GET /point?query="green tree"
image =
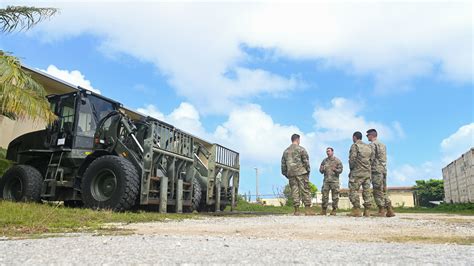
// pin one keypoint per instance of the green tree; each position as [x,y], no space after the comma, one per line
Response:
[20,95]
[429,190]
[289,199]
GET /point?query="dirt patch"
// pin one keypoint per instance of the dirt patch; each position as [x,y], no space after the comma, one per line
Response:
[423,228]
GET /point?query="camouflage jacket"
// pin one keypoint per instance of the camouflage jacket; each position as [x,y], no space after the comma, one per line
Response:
[379,157]
[360,157]
[331,167]
[295,161]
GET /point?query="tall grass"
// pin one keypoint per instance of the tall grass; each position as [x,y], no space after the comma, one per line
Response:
[21,219]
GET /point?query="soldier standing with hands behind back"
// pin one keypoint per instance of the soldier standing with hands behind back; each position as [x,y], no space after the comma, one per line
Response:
[295,166]
[379,175]
[331,167]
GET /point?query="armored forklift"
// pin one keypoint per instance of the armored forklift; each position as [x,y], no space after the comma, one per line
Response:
[102,156]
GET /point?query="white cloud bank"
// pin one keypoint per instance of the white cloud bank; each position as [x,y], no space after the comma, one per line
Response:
[407,173]
[341,119]
[452,148]
[75,77]
[198,46]
[185,117]
[458,143]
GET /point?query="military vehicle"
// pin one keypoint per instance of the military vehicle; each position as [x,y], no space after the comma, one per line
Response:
[103,156]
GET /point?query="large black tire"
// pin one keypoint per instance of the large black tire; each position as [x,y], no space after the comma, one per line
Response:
[110,182]
[21,183]
[196,197]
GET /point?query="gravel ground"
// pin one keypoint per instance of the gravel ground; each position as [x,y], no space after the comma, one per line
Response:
[261,240]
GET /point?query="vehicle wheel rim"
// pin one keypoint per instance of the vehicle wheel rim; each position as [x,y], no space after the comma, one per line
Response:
[104,185]
[13,189]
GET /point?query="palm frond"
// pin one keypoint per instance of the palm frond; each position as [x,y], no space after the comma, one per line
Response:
[20,95]
[23,17]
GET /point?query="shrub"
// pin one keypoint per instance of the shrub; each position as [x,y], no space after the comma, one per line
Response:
[429,190]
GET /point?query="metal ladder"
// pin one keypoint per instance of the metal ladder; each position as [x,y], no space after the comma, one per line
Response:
[51,176]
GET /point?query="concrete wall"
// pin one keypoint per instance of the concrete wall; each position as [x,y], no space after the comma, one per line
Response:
[458,179]
[10,129]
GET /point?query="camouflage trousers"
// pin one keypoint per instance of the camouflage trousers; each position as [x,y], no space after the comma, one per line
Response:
[354,185]
[300,190]
[334,188]
[379,184]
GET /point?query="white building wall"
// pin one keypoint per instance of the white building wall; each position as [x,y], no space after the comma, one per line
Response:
[458,179]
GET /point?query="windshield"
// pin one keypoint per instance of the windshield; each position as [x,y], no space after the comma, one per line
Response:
[91,111]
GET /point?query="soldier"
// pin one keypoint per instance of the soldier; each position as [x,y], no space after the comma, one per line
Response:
[331,167]
[295,166]
[379,175]
[360,155]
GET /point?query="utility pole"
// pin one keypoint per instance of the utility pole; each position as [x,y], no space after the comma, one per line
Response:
[256,183]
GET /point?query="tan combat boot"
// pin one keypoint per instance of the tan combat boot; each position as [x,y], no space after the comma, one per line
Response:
[390,212]
[366,212]
[355,212]
[309,212]
[333,212]
[297,211]
[380,213]
[323,211]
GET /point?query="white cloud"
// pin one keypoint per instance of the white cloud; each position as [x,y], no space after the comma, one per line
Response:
[184,117]
[452,147]
[408,173]
[342,118]
[152,111]
[255,135]
[198,46]
[75,77]
[458,143]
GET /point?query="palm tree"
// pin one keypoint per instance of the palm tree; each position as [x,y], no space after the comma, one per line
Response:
[23,17]
[20,95]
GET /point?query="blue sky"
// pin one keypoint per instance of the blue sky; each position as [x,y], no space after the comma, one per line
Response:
[249,75]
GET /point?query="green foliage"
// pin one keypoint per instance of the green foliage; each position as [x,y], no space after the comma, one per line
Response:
[287,193]
[4,163]
[23,17]
[429,190]
[244,206]
[458,208]
[3,153]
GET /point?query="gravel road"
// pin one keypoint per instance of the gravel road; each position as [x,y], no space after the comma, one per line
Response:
[405,239]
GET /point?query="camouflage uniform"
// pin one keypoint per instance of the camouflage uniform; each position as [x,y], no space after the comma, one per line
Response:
[331,167]
[295,166]
[360,155]
[379,173]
